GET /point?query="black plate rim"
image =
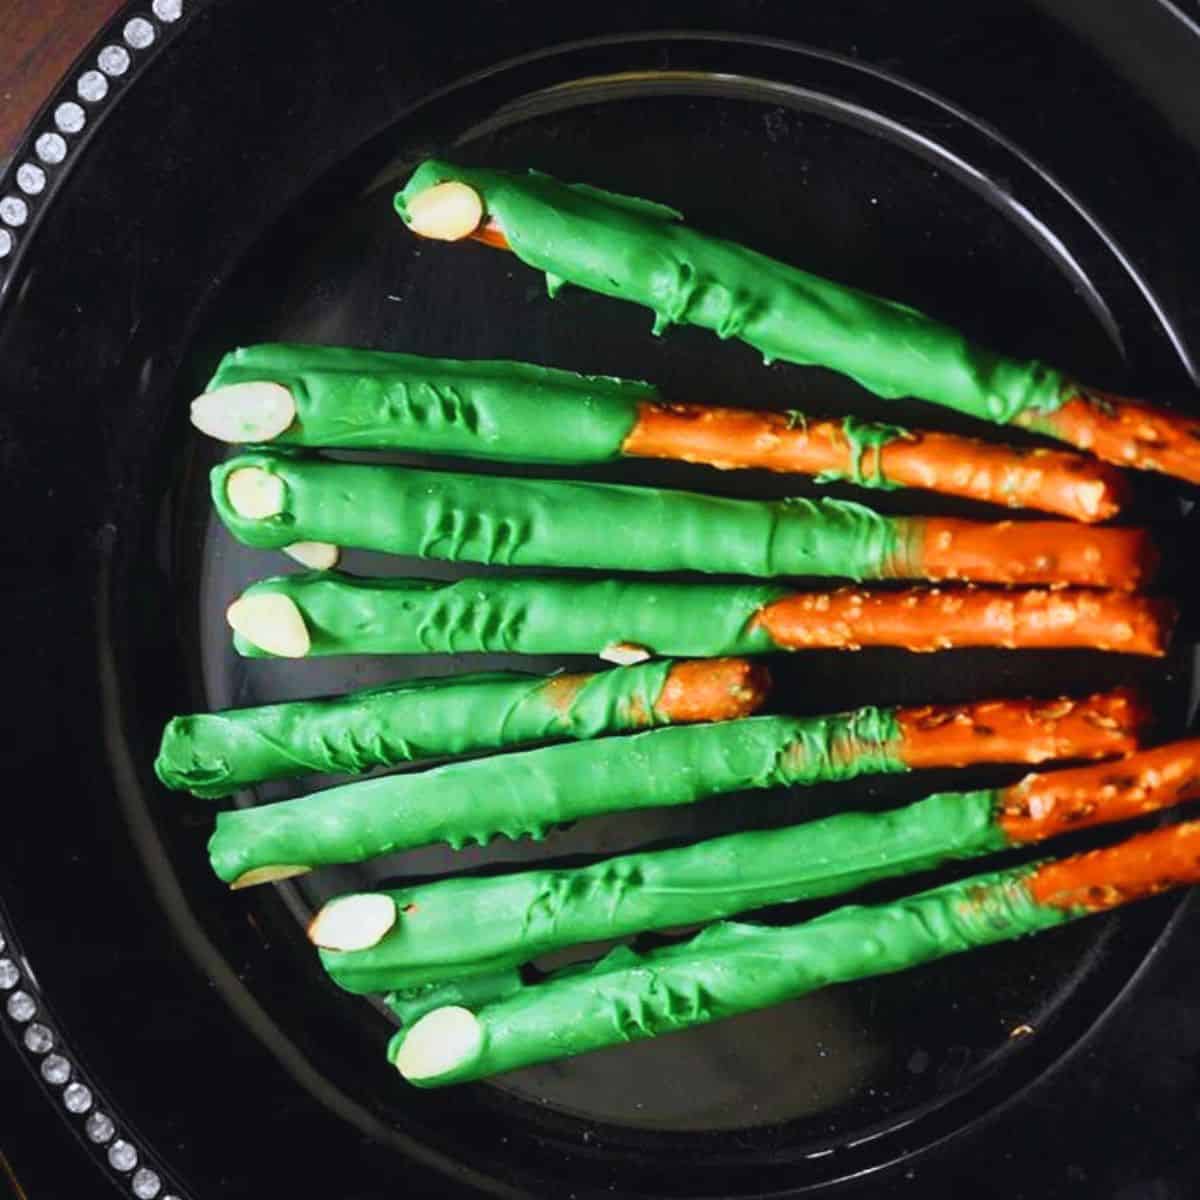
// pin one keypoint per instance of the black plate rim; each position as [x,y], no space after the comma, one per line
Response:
[12,267]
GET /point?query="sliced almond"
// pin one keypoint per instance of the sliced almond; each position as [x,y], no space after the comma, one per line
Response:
[272,622]
[321,556]
[353,922]
[439,1042]
[269,874]
[625,654]
[447,212]
[244,412]
[255,494]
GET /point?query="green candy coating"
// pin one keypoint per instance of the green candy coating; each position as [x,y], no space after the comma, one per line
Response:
[509,411]
[529,791]
[866,440]
[473,991]
[564,523]
[635,250]
[214,754]
[732,968]
[462,927]
[350,615]
[505,411]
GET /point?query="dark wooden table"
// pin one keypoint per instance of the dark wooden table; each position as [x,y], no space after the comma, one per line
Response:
[39,40]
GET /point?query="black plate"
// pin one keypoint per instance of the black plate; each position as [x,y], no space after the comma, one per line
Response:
[240,190]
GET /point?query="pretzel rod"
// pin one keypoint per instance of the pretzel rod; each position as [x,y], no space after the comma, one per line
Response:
[873,455]
[326,396]
[214,754]
[1122,430]
[434,934]
[933,619]
[1030,731]
[732,968]
[640,251]
[1042,806]
[528,792]
[329,613]
[272,500]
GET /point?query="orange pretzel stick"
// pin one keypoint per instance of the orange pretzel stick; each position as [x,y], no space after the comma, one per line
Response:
[490,234]
[1044,805]
[1123,431]
[926,619]
[1052,480]
[1131,870]
[1032,731]
[1031,552]
[713,689]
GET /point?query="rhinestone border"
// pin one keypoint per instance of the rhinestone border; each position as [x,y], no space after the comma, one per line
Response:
[52,141]
[35,1036]
[41,160]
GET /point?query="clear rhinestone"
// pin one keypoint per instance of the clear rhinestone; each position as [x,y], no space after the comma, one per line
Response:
[122,1156]
[9,975]
[139,33]
[99,1127]
[30,178]
[113,60]
[146,1184]
[6,243]
[38,1038]
[51,148]
[69,117]
[21,1007]
[92,87]
[14,210]
[77,1098]
[55,1069]
[168,10]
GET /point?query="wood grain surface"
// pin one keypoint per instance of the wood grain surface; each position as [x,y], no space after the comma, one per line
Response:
[39,40]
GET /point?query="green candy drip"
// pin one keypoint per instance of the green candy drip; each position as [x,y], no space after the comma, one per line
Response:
[349,615]
[559,523]
[732,968]
[867,440]
[637,251]
[213,754]
[463,927]
[526,793]
[508,411]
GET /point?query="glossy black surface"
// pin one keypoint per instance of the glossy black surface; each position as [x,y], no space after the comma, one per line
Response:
[868,196]
[226,199]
